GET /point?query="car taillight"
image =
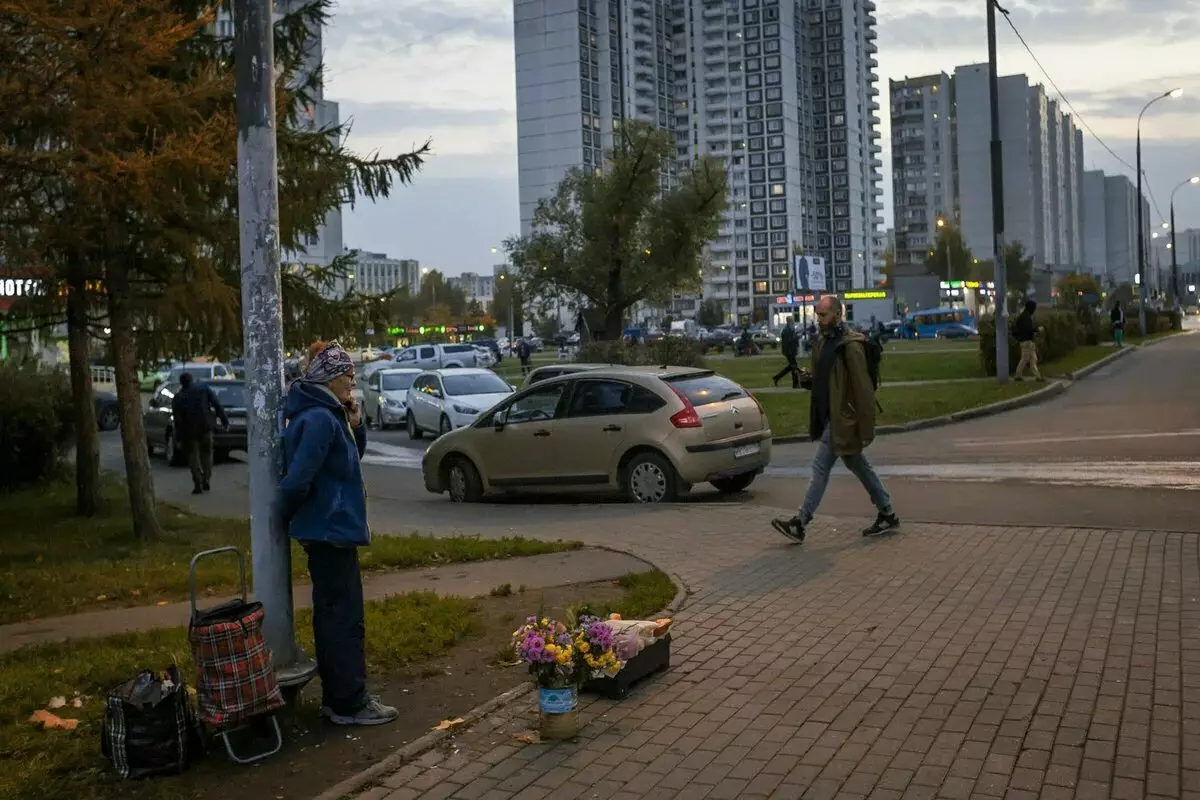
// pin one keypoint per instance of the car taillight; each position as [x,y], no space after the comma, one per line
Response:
[758,403]
[688,418]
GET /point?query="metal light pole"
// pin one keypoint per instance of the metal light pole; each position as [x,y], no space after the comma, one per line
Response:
[941,223]
[1141,234]
[1175,258]
[258,214]
[997,164]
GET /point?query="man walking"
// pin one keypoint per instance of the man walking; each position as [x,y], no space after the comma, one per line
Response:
[194,411]
[1118,324]
[524,351]
[1025,331]
[789,344]
[841,420]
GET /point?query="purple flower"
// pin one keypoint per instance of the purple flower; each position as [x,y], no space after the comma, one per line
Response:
[564,640]
[534,643]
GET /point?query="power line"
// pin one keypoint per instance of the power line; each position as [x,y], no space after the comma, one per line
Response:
[1077,115]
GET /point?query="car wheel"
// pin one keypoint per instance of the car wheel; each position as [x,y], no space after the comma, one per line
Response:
[650,478]
[109,420]
[414,432]
[444,426]
[462,481]
[735,484]
[173,451]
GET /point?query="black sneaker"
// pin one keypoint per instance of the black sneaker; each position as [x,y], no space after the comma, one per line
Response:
[791,528]
[206,487]
[197,490]
[884,523]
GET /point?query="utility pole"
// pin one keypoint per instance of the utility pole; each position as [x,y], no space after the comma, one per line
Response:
[1001,277]
[258,215]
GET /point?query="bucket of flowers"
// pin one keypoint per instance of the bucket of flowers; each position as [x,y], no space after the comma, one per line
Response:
[561,658]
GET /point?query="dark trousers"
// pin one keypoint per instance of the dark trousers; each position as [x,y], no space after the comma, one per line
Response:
[524,365]
[199,451]
[338,626]
[791,367]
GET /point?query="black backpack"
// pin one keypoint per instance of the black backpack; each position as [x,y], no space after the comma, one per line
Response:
[873,348]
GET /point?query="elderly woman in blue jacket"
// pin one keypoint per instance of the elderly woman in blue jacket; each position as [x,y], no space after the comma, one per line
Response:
[325,507]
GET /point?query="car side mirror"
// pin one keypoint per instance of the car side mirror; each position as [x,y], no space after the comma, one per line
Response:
[499,420]
[512,386]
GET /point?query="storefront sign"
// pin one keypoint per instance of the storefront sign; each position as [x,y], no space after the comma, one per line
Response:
[869,295]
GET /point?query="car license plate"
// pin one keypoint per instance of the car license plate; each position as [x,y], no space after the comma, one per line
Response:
[746,450]
[237,423]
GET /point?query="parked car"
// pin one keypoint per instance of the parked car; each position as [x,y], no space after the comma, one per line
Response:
[385,396]
[549,371]
[956,331]
[201,371]
[151,378]
[765,338]
[108,415]
[441,356]
[492,345]
[650,433]
[160,428]
[443,400]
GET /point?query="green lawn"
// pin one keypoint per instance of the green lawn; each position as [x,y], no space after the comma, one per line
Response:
[1077,359]
[402,631]
[52,562]
[755,372]
[788,411]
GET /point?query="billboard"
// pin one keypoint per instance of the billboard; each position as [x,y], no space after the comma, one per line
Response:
[810,273]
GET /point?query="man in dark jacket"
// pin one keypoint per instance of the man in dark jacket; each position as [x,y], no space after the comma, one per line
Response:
[323,500]
[1118,324]
[789,344]
[841,420]
[524,353]
[1025,332]
[194,411]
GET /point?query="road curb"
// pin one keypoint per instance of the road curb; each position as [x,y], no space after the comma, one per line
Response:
[1033,398]
[1083,372]
[381,769]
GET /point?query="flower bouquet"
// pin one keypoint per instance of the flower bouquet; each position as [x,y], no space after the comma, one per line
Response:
[562,658]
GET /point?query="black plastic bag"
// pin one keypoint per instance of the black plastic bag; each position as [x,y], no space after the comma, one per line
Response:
[149,727]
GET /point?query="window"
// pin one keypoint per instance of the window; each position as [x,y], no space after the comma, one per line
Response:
[470,383]
[537,405]
[394,381]
[427,353]
[230,395]
[593,398]
[705,390]
[777,189]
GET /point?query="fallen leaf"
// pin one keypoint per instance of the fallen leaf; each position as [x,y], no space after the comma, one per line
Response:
[57,702]
[50,721]
[527,737]
[161,603]
[448,724]
[100,598]
[78,702]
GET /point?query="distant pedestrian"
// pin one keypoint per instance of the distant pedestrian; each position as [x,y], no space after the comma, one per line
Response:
[195,410]
[524,352]
[1118,324]
[1025,331]
[841,419]
[789,344]
[323,501]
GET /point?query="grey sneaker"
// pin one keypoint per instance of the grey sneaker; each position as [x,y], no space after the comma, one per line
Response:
[373,713]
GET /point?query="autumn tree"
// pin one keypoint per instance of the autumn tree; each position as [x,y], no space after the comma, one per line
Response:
[614,236]
[711,313]
[888,269]
[1075,289]
[508,304]
[132,135]
[1018,272]
[950,258]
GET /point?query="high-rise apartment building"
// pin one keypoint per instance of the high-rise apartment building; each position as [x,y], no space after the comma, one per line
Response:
[376,274]
[1110,228]
[942,121]
[780,92]
[923,176]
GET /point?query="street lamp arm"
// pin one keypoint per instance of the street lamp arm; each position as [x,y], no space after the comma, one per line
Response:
[1192,180]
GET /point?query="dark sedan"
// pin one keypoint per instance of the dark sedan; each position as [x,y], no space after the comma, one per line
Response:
[956,331]
[160,428]
[108,417]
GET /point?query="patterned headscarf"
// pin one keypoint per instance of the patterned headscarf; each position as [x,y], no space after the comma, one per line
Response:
[328,364]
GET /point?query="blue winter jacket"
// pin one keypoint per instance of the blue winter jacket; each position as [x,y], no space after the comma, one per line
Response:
[322,496]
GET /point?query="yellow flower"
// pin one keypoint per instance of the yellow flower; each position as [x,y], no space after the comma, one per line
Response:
[584,647]
[545,622]
[551,649]
[563,657]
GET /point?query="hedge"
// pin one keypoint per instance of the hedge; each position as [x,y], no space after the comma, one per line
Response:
[36,424]
[1061,335]
[1156,322]
[671,350]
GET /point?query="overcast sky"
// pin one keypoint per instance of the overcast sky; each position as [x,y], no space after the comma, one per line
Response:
[406,73]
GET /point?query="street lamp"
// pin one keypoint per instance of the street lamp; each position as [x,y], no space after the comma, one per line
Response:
[941,223]
[1141,235]
[1192,181]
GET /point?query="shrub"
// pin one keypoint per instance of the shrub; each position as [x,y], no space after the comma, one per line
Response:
[668,350]
[1061,336]
[36,424]
[1156,322]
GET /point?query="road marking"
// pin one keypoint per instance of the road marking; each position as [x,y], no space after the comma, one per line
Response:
[1177,475]
[1065,439]
[390,455]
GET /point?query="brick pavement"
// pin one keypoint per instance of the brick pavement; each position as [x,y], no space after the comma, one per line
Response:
[943,662]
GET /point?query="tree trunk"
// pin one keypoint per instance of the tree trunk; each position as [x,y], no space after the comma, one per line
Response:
[138,476]
[88,491]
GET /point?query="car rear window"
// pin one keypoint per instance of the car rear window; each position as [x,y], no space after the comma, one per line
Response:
[701,390]
[229,395]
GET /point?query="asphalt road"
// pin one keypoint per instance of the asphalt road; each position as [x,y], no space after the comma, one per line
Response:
[1119,449]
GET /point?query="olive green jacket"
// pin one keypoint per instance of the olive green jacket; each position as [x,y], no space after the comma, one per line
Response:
[851,395]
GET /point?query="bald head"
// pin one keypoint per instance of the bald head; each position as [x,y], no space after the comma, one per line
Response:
[829,311]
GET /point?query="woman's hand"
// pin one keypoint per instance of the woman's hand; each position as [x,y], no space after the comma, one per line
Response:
[354,413]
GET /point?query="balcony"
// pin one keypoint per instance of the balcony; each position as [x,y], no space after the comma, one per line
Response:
[869,6]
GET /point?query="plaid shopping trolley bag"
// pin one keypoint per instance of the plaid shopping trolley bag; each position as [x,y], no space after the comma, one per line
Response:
[235,678]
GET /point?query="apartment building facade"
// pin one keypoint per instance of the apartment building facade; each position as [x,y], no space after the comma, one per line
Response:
[780,92]
[377,274]
[1110,229]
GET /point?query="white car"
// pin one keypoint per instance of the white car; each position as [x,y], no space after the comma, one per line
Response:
[441,356]
[385,396]
[443,400]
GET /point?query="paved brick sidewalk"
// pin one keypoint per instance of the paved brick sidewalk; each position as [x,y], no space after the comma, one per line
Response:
[945,661]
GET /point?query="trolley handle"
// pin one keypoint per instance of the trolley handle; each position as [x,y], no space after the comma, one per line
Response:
[216,551]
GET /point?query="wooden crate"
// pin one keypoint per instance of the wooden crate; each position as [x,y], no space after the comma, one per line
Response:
[653,658]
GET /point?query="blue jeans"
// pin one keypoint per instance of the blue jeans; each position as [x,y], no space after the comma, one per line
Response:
[822,464]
